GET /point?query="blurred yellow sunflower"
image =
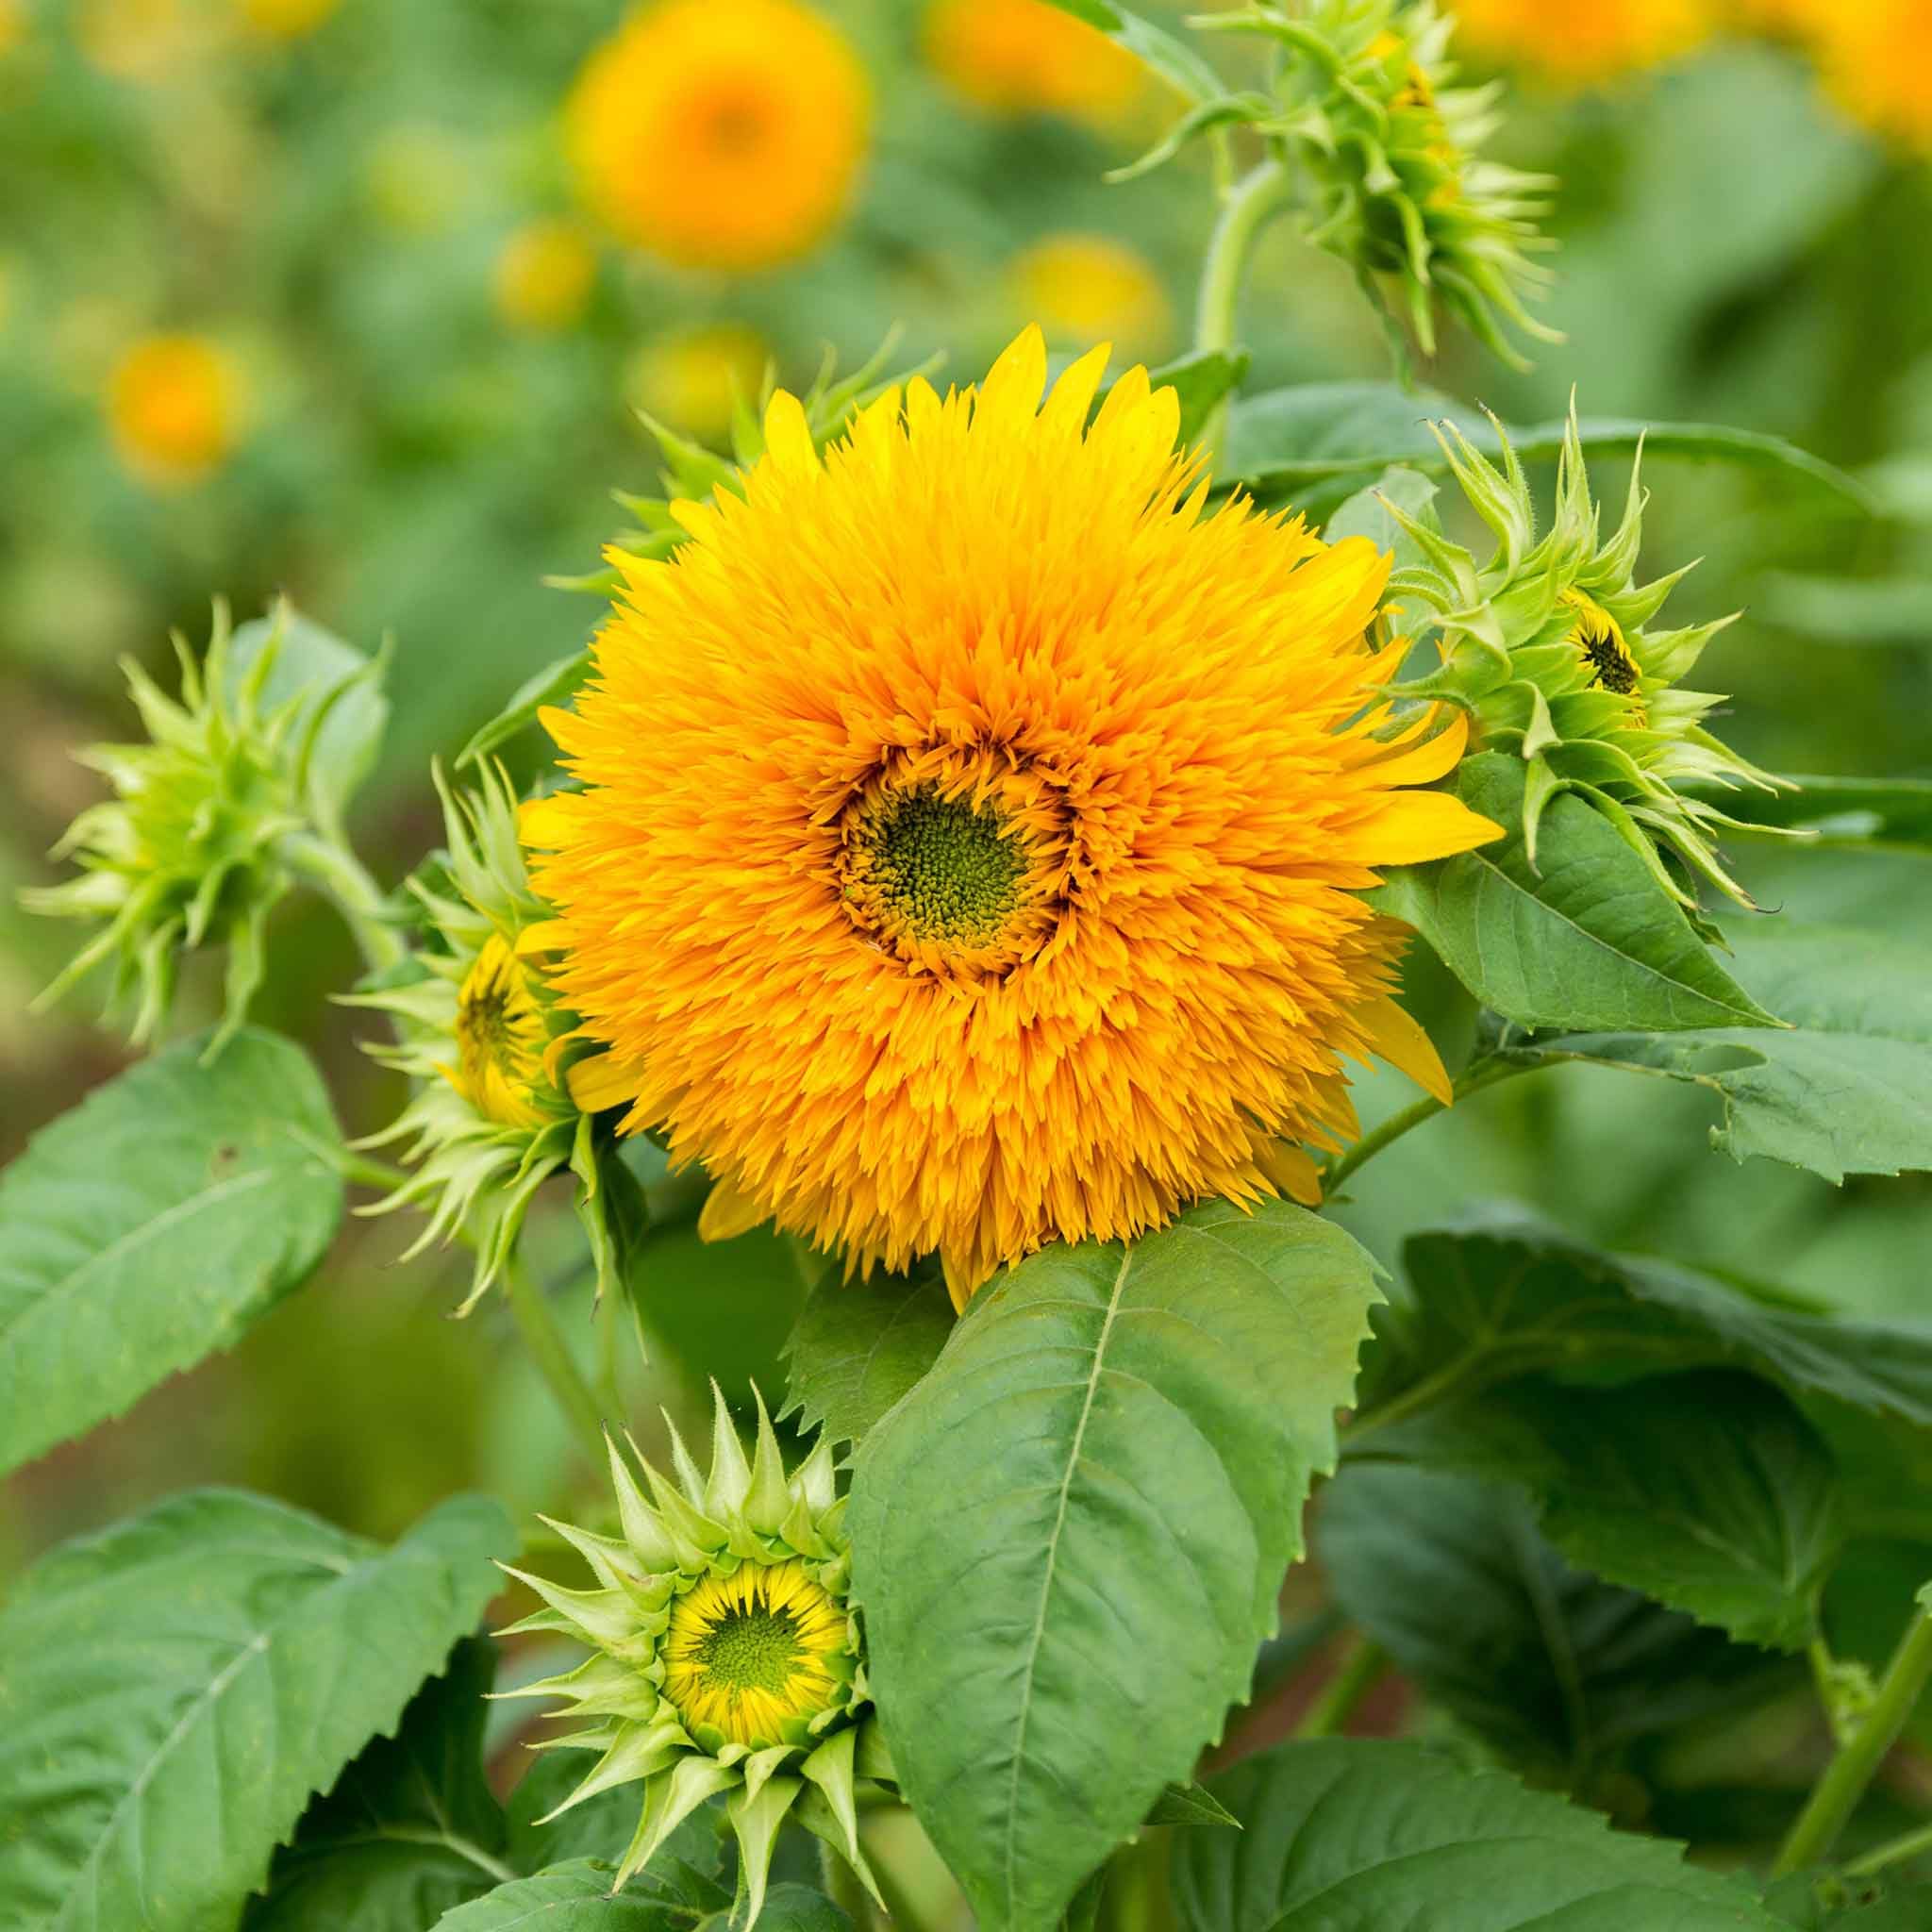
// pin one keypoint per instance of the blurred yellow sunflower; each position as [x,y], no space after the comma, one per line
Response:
[1583,41]
[1023,57]
[1875,58]
[693,379]
[1088,289]
[721,134]
[972,825]
[284,20]
[544,277]
[174,406]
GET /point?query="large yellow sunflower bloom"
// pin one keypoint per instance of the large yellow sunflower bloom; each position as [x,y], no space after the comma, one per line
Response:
[721,134]
[972,825]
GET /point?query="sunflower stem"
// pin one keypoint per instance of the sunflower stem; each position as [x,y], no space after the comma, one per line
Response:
[1895,1851]
[538,1325]
[329,863]
[1246,210]
[1358,1673]
[844,1888]
[1836,1795]
[1479,1073]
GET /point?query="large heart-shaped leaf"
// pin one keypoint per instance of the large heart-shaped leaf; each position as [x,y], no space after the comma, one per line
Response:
[860,1345]
[1846,1089]
[1583,937]
[576,1897]
[1068,1538]
[152,1223]
[1558,1670]
[173,1691]
[1355,1836]
[410,1829]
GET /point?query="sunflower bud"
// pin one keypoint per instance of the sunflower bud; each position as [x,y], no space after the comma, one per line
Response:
[213,818]
[1392,149]
[725,1655]
[490,1047]
[1552,649]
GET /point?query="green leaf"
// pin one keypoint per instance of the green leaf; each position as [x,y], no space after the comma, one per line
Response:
[798,1908]
[568,1898]
[1366,513]
[1560,1671]
[1855,611]
[173,1691]
[152,1223]
[1350,1835]
[349,736]
[860,1345]
[1069,1537]
[1847,1089]
[556,684]
[1499,1294]
[1200,380]
[1189,1804]
[1584,939]
[1708,1491]
[685,1869]
[1173,60]
[410,1830]
[1283,439]
[1892,814]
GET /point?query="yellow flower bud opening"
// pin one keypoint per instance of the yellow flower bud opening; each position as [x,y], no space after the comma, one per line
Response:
[501,1036]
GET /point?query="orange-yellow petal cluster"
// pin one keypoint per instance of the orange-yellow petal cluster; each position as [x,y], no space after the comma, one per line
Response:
[1875,58]
[972,825]
[1582,42]
[721,134]
[173,404]
[1026,57]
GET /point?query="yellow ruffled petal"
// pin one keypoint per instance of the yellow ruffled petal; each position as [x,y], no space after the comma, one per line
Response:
[544,823]
[1293,1169]
[726,1214]
[603,1081]
[1427,761]
[544,936]
[788,436]
[1412,826]
[1398,1037]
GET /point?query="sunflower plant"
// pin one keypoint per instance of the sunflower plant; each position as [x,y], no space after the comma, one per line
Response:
[1016,850]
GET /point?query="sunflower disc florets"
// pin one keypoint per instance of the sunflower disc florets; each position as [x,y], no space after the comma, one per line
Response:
[1551,647]
[725,1655]
[211,821]
[1392,148]
[481,1032]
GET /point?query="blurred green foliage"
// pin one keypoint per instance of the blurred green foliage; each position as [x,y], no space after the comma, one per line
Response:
[331,210]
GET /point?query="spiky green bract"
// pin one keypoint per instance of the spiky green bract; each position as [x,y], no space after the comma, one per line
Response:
[1392,151]
[680,1540]
[489,1121]
[695,474]
[1550,647]
[210,824]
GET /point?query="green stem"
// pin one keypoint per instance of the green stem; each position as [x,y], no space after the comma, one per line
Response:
[551,1353]
[347,881]
[1837,1794]
[1472,1079]
[1246,208]
[1360,1671]
[1894,1851]
[844,1888]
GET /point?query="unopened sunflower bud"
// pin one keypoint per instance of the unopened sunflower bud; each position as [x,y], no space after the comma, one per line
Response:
[725,1655]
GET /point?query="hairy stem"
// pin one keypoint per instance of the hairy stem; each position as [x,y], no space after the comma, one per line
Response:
[338,872]
[1358,1673]
[1837,1794]
[537,1324]
[1472,1079]
[1246,210]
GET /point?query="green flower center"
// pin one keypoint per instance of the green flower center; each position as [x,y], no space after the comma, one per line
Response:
[752,1648]
[944,869]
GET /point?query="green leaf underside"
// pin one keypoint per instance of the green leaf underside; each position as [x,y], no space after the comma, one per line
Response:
[1847,1089]
[576,1897]
[1561,1673]
[1068,1538]
[860,1345]
[1280,439]
[409,1831]
[556,684]
[151,1225]
[1708,1491]
[1358,1836]
[1172,60]
[1891,814]
[1367,514]
[1586,939]
[175,1690]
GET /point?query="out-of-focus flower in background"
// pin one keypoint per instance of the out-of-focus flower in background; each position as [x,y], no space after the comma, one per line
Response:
[1023,57]
[416,177]
[1086,289]
[1580,42]
[546,272]
[13,26]
[721,134]
[693,379]
[174,406]
[284,20]
[134,40]
[1876,56]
